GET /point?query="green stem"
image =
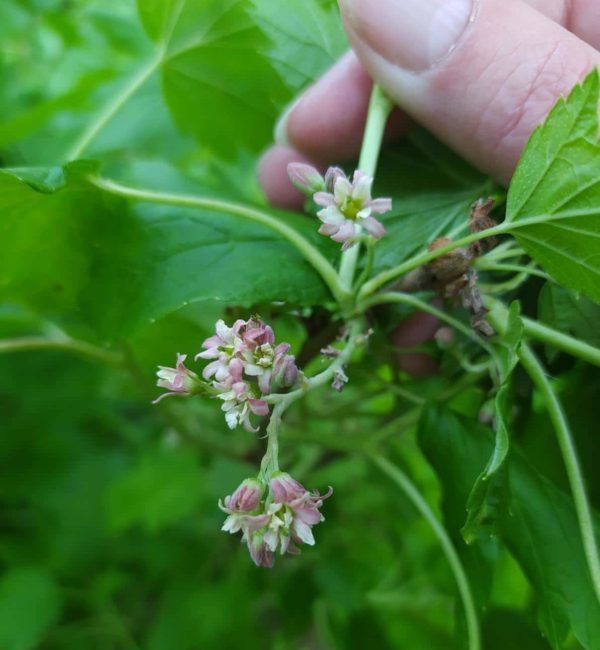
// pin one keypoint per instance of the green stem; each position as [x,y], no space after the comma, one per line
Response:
[364,276]
[270,461]
[569,454]
[427,256]
[83,348]
[561,341]
[423,258]
[460,576]
[327,375]
[517,268]
[548,335]
[310,253]
[379,109]
[409,299]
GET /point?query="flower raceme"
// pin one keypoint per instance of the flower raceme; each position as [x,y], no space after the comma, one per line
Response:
[346,206]
[245,366]
[280,522]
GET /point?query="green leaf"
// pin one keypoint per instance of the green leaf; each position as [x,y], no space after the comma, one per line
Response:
[216,83]
[161,489]
[305,38]
[114,265]
[488,497]
[29,604]
[540,527]
[570,313]
[554,198]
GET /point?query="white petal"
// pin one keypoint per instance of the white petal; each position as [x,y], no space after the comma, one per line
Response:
[304,532]
[342,189]
[361,190]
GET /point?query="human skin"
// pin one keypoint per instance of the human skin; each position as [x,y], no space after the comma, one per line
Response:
[479,74]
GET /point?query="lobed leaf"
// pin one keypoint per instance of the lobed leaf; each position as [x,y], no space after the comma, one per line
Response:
[540,526]
[553,201]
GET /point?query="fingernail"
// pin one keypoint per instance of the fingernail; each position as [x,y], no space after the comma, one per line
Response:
[280,134]
[413,34]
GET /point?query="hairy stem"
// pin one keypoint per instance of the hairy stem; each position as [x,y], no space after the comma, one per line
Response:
[310,253]
[460,576]
[379,109]
[569,454]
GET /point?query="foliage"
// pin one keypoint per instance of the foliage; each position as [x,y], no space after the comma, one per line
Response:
[132,221]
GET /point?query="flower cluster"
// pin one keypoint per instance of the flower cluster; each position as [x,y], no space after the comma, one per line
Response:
[280,522]
[245,366]
[346,205]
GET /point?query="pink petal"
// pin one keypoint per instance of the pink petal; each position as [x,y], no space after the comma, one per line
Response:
[345,232]
[324,199]
[259,406]
[361,190]
[379,206]
[331,215]
[373,227]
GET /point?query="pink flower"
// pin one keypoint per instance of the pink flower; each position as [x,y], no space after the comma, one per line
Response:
[259,551]
[178,380]
[240,506]
[239,403]
[293,513]
[348,205]
[222,347]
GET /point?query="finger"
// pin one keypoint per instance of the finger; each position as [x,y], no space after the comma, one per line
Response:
[481,78]
[581,17]
[326,123]
[412,331]
[273,178]
[327,120]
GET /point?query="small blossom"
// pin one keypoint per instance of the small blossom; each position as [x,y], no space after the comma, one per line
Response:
[306,178]
[281,522]
[348,205]
[293,513]
[245,365]
[240,506]
[238,403]
[178,380]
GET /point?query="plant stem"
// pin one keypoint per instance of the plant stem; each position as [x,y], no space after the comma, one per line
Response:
[423,258]
[310,253]
[548,335]
[270,461]
[323,377]
[569,454]
[83,348]
[427,256]
[517,268]
[460,576]
[409,299]
[379,109]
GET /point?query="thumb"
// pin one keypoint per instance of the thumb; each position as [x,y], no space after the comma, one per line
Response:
[479,74]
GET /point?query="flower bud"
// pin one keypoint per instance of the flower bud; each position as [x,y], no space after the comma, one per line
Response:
[178,380]
[305,177]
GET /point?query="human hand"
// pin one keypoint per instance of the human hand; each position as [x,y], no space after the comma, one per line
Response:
[479,74]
